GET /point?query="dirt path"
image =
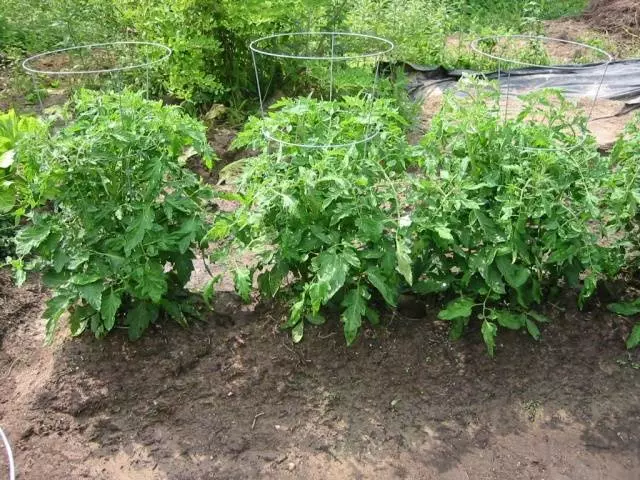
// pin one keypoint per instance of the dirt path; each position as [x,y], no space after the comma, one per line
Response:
[240,401]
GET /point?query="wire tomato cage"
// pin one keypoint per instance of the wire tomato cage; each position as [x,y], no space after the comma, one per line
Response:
[528,64]
[7,448]
[119,62]
[331,78]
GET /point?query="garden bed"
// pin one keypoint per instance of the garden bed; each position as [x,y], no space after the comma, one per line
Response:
[233,398]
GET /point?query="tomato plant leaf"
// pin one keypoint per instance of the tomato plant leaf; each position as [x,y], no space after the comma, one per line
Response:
[512,321]
[109,308]
[31,237]
[404,262]
[626,309]
[135,234]
[355,303]
[516,276]
[459,308]
[56,306]
[388,292]
[242,283]
[297,332]
[533,329]
[139,318]
[153,284]
[489,332]
[92,293]
[634,339]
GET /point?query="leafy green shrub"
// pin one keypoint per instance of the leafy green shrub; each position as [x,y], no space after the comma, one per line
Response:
[116,244]
[32,26]
[501,224]
[622,197]
[327,223]
[15,197]
[211,60]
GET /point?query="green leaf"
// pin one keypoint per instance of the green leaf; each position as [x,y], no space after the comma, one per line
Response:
[297,332]
[489,333]
[242,283]
[92,293]
[55,280]
[79,319]
[425,287]
[389,292]
[318,295]
[590,284]
[634,339]
[153,284]
[84,278]
[516,276]
[538,317]
[295,316]
[512,321]
[404,262]
[316,319]
[109,308]
[459,308]
[136,232]
[56,306]
[7,199]
[626,309]
[444,233]
[355,303]
[533,329]
[31,237]
[209,292]
[220,230]
[270,282]
[370,228]
[139,319]
[332,270]
[183,267]
[7,158]
[373,316]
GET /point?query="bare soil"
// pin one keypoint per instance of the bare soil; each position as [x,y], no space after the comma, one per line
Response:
[237,400]
[621,16]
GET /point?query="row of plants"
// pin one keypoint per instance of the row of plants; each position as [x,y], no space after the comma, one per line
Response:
[492,216]
[211,61]
[495,216]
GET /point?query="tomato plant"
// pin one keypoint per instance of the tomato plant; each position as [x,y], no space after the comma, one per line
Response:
[115,244]
[507,210]
[326,222]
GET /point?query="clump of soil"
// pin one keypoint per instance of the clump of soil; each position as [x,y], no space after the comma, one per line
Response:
[621,16]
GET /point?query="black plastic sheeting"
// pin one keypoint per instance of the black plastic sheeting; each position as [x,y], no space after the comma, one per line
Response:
[621,82]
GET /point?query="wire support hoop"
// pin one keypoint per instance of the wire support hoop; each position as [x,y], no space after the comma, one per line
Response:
[7,447]
[273,138]
[163,51]
[556,55]
[335,38]
[606,57]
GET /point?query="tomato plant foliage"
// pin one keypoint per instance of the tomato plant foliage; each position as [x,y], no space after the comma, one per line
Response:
[505,210]
[115,245]
[327,221]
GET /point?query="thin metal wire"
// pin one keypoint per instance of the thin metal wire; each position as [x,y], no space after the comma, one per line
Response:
[27,63]
[388,46]
[332,58]
[608,58]
[474,45]
[7,447]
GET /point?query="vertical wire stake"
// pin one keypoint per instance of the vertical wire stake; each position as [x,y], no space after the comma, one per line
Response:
[7,447]
[37,90]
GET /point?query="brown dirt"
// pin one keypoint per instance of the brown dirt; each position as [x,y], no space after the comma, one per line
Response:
[240,401]
[621,16]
